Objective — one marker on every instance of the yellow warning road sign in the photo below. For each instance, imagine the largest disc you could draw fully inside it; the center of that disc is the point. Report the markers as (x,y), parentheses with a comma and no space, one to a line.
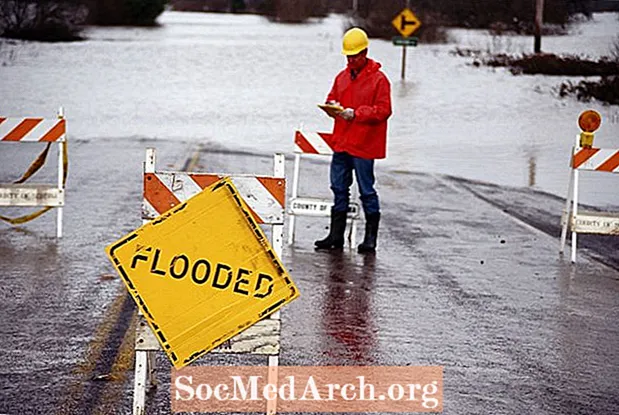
(406,22)
(202,272)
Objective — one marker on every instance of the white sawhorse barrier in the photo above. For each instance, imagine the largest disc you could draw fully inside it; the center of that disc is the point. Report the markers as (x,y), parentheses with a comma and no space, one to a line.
(265,196)
(312,144)
(37,130)
(588,159)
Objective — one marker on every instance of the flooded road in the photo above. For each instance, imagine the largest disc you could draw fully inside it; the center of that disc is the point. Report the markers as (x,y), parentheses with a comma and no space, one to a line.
(461,280)
(238,81)
(467,274)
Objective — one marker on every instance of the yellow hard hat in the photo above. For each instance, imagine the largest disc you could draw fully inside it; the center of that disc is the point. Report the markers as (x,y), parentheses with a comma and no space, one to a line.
(355,40)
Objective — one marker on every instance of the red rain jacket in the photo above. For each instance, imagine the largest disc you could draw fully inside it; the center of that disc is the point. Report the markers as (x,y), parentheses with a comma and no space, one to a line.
(369,94)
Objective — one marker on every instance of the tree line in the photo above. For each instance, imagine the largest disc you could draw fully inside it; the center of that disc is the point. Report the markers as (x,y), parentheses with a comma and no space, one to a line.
(376,15)
(62,19)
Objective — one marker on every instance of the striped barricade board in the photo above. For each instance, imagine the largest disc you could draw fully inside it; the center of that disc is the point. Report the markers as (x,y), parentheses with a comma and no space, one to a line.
(32,129)
(596,159)
(265,196)
(313,143)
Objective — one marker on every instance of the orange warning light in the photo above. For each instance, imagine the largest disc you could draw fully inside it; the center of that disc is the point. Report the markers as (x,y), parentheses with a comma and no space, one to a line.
(589,121)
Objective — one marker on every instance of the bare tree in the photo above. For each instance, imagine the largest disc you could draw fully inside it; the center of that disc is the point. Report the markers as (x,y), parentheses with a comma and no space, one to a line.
(45,20)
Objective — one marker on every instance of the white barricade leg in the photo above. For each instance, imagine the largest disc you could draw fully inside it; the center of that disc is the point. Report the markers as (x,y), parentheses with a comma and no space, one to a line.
(295,193)
(574,213)
(565,217)
(139,390)
(279,170)
(59,223)
(272,379)
(144,360)
(278,239)
(149,163)
(61,150)
(278,246)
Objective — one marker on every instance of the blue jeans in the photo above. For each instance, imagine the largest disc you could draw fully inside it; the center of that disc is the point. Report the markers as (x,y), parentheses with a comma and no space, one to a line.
(342,166)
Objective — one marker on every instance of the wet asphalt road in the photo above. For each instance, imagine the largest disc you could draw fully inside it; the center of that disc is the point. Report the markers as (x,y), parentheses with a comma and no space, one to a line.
(467,276)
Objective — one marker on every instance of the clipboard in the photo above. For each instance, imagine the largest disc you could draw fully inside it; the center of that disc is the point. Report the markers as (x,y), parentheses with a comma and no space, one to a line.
(331,110)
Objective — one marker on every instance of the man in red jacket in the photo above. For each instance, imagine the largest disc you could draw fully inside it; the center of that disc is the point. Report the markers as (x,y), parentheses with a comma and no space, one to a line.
(360,136)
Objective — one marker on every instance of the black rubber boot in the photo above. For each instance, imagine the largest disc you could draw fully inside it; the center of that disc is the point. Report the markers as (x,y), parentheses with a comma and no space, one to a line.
(371,233)
(335,239)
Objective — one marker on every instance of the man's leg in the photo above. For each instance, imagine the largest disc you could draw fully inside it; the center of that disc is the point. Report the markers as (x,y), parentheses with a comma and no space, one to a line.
(364,172)
(341,179)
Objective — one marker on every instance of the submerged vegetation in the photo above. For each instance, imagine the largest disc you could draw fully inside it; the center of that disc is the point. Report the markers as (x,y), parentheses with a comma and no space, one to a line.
(551,64)
(605,89)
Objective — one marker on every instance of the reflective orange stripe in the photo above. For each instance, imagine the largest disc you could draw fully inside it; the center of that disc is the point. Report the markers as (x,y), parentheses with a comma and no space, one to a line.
(582,156)
(204,180)
(328,138)
(276,188)
(303,144)
(56,132)
(611,164)
(158,194)
(22,129)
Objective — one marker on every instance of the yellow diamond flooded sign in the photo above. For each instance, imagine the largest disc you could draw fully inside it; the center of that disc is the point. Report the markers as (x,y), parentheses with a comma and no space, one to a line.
(202,272)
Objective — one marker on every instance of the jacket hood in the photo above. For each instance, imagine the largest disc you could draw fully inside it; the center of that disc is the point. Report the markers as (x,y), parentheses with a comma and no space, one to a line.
(372,65)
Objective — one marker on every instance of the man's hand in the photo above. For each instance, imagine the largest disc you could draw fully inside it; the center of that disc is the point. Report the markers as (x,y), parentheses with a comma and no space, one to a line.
(348,114)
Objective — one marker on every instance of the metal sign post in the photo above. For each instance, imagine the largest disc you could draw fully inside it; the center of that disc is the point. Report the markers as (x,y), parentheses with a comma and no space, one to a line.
(403,71)
(539,21)
(406,23)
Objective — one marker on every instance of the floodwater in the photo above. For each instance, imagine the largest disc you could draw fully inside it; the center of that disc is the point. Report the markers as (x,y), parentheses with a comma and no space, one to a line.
(241,82)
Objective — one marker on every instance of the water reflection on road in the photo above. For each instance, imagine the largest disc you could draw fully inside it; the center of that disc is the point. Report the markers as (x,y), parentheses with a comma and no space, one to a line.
(347,313)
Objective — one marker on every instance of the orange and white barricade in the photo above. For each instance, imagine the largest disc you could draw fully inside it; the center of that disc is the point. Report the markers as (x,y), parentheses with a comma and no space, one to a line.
(594,160)
(18,194)
(265,197)
(309,144)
